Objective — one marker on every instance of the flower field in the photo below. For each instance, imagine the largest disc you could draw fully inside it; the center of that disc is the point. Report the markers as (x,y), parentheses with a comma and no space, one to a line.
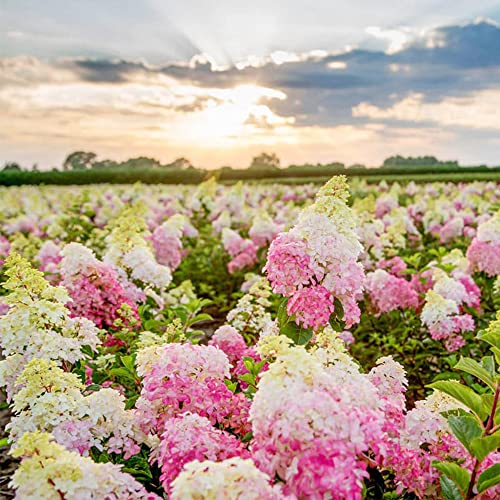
(254,341)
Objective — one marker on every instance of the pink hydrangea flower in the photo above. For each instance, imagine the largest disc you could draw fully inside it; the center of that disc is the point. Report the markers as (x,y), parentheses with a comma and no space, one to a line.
(190,437)
(312,306)
(190,378)
(484,256)
(288,264)
(99,297)
(229,340)
(168,248)
(388,293)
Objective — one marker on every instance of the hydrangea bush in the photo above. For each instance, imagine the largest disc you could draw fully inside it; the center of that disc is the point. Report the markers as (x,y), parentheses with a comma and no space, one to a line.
(252,341)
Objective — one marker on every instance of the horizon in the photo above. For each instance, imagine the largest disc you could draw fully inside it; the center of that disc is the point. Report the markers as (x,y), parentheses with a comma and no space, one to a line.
(282,165)
(220,85)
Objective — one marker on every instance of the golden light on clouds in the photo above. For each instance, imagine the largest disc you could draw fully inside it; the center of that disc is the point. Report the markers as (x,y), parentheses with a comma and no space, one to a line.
(337,65)
(231,113)
(478,110)
(349,104)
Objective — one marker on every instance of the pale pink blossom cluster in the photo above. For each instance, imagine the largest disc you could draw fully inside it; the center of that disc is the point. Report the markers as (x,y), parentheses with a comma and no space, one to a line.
(385,204)
(4,249)
(423,435)
(48,399)
(228,340)
(484,251)
(93,286)
(311,306)
(243,252)
(49,471)
(388,292)
(167,240)
(37,323)
(316,261)
(49,257)
(179,378)
(235,478)
(289,266)
(443,312)
(395,265)
(232,343)
(263,229)
(314,417)
(191,437)
(452,229)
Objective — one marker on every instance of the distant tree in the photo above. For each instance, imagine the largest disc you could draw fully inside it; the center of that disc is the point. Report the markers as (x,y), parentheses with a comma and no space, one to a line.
(79,160)
(265,160)
(411,161)
(11,166)
(105,164)
(141,162)
(180,163)
(226,172)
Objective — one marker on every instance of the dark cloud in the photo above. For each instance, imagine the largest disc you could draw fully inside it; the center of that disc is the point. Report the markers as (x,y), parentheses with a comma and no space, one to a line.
(105,71)
(463,47)
(199,103)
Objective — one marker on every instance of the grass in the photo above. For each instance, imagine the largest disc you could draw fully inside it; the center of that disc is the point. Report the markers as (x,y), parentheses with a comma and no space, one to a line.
(403,178)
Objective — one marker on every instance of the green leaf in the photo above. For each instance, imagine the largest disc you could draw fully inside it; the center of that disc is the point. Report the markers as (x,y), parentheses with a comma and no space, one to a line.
(459,476)
(468,365)
(336,324)
(181,313)
(463,394)
(488,402)
(450,489)
(130,402)
(128,362)
(488,478)
(231,385)
(143,475)
(339,308)
(247,378)
(282,315)
(492,338)
(488,363)
(201,317)
(93,387)
(258,366)
(299,335)
(204,303)
(4,442)
(482,447)
(121,372)
(152,324)
(247,437)
(248,362)
(496,352)
(465,428)
(444,375)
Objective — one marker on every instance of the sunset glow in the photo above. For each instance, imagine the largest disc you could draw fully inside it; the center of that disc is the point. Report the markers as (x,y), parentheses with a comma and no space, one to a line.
(320,86)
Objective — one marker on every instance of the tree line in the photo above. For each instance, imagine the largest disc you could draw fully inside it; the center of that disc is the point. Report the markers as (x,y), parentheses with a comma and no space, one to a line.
(83,167)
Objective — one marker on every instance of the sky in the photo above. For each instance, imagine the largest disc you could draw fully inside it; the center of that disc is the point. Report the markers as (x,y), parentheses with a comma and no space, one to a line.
(221,81)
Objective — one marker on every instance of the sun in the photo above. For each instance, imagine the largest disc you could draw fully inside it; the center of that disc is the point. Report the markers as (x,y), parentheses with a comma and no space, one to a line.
(233,112)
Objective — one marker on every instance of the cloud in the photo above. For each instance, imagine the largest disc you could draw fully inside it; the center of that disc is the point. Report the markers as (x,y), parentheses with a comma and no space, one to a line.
(397,38)
(477,111)
(444,79)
